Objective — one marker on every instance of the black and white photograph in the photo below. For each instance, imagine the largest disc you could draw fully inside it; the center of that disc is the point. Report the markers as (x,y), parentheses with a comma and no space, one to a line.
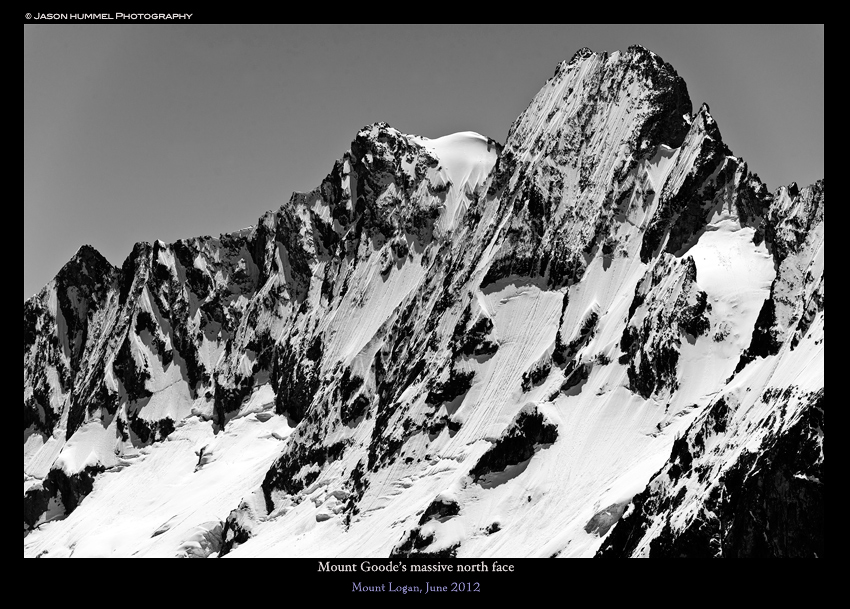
(411,302)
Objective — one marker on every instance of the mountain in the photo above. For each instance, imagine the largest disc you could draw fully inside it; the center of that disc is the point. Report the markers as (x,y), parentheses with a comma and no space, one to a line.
(603,338)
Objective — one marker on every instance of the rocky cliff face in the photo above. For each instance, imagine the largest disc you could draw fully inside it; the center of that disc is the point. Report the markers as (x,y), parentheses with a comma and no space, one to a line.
(746,478)
(604,336)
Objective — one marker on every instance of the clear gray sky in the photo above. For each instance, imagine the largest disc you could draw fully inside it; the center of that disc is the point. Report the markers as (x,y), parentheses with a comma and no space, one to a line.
(143,132)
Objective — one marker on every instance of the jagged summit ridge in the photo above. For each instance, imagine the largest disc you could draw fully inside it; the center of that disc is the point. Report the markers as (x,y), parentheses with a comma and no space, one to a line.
(593,91)
(563,345)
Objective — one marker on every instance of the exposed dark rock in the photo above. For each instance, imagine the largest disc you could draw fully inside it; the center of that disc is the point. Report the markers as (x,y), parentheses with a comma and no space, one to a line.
(671,102)
(132,376)
(769,503)
(286,472)
(575,375)
(415,543)
(229,399)
(764,341)
(151,431)
(295,381)
(264,346)
(440,509)
(683,212)
(457,384)
(348,384)
(564,353)
(529,431)
(350,412)
(788,223)
(536,375)
(58,485)
(234,533)
(651,349)
(474,341)
(603,520)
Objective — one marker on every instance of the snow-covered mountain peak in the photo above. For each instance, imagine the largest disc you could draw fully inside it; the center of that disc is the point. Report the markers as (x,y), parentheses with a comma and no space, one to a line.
(87,262)
(592,339)
(624,103)
(467,157)
(89,252)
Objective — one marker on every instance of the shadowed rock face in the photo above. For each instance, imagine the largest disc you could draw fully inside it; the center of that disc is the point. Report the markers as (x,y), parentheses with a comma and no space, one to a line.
(782,492)
(651,349)
(792,227)
(527,433)
(67,491)
(423,340)
(768,504)
(603,520)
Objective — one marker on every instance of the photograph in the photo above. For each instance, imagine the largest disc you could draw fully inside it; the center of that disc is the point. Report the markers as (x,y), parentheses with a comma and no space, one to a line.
(414,304)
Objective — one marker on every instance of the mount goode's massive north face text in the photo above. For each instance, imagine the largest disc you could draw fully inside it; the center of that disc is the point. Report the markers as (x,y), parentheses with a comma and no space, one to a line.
(604,337)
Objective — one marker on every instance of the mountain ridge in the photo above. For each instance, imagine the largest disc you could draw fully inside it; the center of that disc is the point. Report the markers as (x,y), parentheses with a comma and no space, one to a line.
(423,352)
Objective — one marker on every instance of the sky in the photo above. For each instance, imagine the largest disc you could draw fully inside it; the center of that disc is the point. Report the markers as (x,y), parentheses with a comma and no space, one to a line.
(146,131)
